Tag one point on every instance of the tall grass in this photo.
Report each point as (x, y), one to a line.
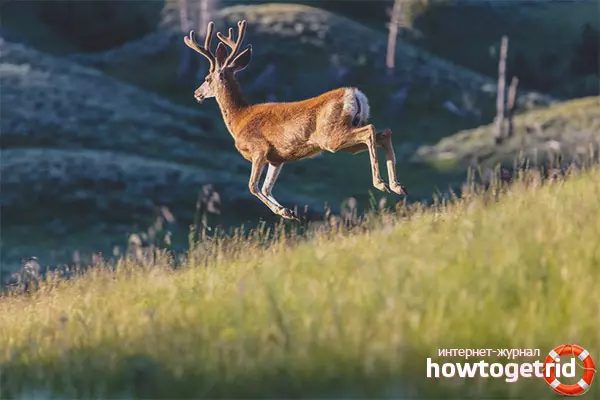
(339, 314)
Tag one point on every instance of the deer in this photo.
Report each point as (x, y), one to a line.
(269, 135)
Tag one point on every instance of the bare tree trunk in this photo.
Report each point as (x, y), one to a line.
(510, 104)
(392, 36)
(184, 63)
(501, 89)
(183, 16)
(204, 17)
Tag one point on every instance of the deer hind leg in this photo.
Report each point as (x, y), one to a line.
(258, 166)
(355, 149)
(385, 140)
(367, 134)
(353, 140)
(359, 148)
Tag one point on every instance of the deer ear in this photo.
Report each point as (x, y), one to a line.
(242, 60)
(221, 54)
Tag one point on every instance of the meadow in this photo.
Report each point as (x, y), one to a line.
(330, 313)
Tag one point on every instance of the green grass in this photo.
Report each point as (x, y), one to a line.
(349, 314)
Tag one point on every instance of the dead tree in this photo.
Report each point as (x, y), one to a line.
(395, 20)
(184, 21)
(204, 15)
(499, 136)
(184, 24)
(510, 105)
(504, 127)
(205, 11)
(188, 66)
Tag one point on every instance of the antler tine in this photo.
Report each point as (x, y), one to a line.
(209, 32)
(191, 43)
(228, 40)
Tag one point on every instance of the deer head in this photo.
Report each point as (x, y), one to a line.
(223, 66)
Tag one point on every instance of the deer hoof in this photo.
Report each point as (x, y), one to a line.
(399, 189)
(381, 185)
(288, 214)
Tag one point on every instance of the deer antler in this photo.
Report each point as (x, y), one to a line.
(205, 51)
(228, 40)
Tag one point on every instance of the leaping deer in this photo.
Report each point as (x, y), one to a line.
(275, 133)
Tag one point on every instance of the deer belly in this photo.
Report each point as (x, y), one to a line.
(244, 151)
(292, 153)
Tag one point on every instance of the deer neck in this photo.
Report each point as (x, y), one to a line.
(232, 103)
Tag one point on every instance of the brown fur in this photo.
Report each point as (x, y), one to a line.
(275, 133)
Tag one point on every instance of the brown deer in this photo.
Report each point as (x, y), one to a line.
(275, 133)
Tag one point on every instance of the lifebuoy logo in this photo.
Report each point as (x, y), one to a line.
(552, 370)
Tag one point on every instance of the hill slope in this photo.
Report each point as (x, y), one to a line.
(568, 129)
(339, 314)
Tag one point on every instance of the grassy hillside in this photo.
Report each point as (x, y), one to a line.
(571, 129)
(351, 315)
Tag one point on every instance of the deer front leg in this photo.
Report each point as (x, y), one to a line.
(385, 140)
(272, 175)
(258, 166)
(270, 179)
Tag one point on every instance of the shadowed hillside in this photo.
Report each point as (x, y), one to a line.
(554, 43)
(76, 139)
(308, 51)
